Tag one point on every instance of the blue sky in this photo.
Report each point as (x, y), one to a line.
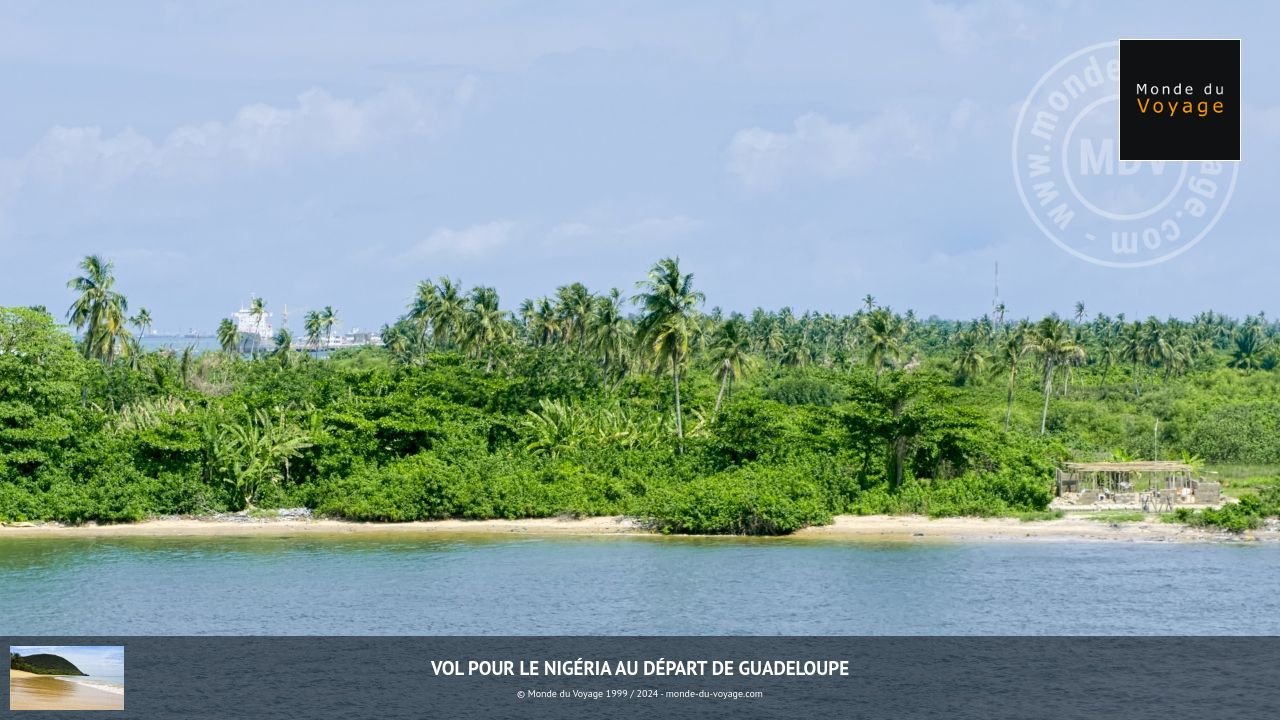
(91, 659)
(800, 154)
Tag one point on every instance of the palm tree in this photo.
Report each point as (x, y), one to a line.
(730, 353)
(1011, 350)
(257, 310)
(668, 304)
(574, 304)
(99, 310)
(142, 321)
(1134, 349)
(448, 313)
(328, 318)
(313, 325)
(608, 330)
(883, 333)
(970, 360)
(484, 324)
(1080, 311)
(228, 336)
(395, 340)
(541, 322)
(283, 350)
(1052, 341)
(185, 363)
(1108, 350)
(422, 309)
(1251, 348)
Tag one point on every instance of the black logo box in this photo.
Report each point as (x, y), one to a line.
(1186, 67)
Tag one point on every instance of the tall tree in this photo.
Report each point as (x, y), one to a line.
(448, 313)
(668, 304)
(313, 326)
(1052, 341)
(229, 336)
(1250, 348)
(328, 319)
(882, 336)
(1012, 347)
(485, 324)
(99, 310)
(574, 305)
(422, 309)
(258, 310)
(731, 356)
(970, 357)
(283, 349)
(142, 321)
(608, 331)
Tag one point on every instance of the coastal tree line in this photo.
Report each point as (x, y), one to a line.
(643, 401)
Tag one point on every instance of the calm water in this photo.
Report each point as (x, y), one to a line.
(382, 585)
(110, 683)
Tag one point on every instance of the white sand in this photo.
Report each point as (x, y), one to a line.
(29, 691)
(845, 527)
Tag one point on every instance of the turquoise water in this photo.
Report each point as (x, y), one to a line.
(110, 683)
(629, 585)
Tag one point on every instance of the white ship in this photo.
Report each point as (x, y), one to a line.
(257, 332)
(254, 329)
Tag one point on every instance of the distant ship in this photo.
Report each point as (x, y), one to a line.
(254, 328)
(257, 331)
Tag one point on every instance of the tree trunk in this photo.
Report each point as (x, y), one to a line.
(675, 374)
(1008, 412)
(897, 448)
(1048, 390)
(899, 460)
(724, 382)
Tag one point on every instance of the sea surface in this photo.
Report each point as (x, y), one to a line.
(111, 683)
(393, 585)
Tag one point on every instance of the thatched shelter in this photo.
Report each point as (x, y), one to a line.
(1164, 480)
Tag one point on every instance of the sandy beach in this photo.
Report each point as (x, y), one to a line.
(28, 691)
(871, 528)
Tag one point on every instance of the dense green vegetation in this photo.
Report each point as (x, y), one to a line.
(43, 664)
(1248, 514)
(586, 404)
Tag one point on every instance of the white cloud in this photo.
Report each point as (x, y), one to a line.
(476, 241)
(954, 27)
(1264, 121)
(962, 28)
(647, 229)
(817, 147)
(257, 135)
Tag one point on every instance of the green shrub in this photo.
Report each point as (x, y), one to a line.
(805, 391)
(978, 494)
(1248, 514)
(742, 501)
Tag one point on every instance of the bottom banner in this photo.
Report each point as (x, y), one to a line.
(642, 677)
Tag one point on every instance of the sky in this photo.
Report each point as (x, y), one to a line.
(791, 154)
(102, 660)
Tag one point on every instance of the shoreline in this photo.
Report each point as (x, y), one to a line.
(31, 691)
(852, 528)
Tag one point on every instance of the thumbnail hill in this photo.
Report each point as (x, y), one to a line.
(43, 664)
